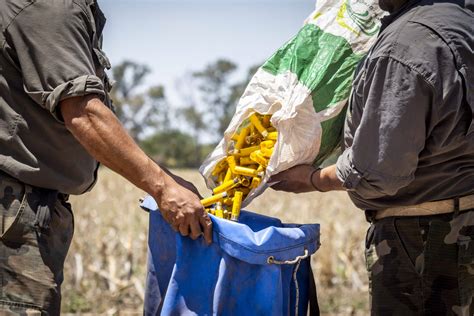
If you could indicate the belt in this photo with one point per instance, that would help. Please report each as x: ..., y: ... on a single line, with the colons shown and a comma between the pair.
x: 61, y: 196
x: 425, y: 209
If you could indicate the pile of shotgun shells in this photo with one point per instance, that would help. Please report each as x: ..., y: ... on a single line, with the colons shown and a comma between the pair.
x: 244, y: 167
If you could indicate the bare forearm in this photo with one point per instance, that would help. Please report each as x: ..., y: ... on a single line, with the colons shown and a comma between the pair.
x: 326, y: 180
x: 103, y: 136
x: 306, y: 178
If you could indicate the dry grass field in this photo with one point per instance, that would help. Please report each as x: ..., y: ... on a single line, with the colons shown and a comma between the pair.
x: 105, y: 268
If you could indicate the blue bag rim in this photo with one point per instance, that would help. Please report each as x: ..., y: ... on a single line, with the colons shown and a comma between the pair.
x: 224, y: 235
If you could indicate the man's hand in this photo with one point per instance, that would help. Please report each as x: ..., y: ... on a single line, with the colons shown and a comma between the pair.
x: 103, y: 136
x: 306, y: 178
x: 296, y: 179
x: 183, y: 210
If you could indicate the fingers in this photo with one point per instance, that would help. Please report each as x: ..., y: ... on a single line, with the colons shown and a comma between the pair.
x: 195, y: 230
x: 279, y: 186
x: 184, y: 229
x: 206, y: 225
x: 170, y: 220
x: 276, y: 178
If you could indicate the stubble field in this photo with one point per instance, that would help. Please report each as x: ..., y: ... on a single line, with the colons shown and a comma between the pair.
x: 106, y: 265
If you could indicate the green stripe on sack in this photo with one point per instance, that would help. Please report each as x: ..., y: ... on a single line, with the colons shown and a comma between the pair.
x: 332, y: 136
x: 323, y: 62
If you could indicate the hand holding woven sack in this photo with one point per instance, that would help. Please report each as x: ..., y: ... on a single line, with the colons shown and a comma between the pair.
x: 304, y: 86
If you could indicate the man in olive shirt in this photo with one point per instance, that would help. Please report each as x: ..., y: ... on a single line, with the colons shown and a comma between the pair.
x: 409, y: 159
x: 55, y: 124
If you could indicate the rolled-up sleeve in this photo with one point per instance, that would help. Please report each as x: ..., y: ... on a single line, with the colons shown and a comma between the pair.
x: 396, y: 104
x: 53, y: 44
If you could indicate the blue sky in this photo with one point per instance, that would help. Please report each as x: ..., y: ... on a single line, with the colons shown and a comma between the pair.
x: 178, y: 36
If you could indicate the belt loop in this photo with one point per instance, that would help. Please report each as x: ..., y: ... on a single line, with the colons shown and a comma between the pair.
x: 45, y: 208
x: 370, y: 215
x: 456, y: 206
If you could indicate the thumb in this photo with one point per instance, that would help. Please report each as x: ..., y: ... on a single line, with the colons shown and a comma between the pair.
x: 276, y: 178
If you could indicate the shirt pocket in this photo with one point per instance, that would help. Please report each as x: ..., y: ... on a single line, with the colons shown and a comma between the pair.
x: 13, y: 203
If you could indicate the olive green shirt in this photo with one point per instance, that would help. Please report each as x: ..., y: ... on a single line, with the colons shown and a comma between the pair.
x: 50, y: 50
x: 409, y: 135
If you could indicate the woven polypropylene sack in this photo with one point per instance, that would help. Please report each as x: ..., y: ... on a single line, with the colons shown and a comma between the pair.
x: 305, y: 86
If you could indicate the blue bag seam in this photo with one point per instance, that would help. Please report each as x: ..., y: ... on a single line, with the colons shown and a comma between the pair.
x: 267, y: 251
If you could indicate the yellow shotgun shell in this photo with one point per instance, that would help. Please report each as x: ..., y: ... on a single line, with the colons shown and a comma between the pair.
x: 236, y: 206
x: 221, y: 177
x: 267, y: 144
x: 228, y: 175
x: 232, y: 163
x: 258, y: 157
x: 258, y: 125
x: 245, y: 171
x: 244, y: 190
x: 244, y: 181
x: 245, y: 161
x: 267, y: 152
x: 261, y: 171
x: 241, y: 139
x: 254, y: 166
x: 220, y: 213
x: 254, y: 139
x: 225, y: 186
x: 213, y: 199
x: 247, y: 151
x: 235, y: 137
x: 255, y: 182
x: 219, y: 167
x: 272, y: 136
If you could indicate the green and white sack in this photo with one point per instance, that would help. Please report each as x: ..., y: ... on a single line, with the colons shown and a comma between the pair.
x: 305, y: 85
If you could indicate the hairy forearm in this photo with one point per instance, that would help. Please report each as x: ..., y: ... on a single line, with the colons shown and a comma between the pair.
x: 306, y: 178
x: 103, y: 136
x: 326, y: 180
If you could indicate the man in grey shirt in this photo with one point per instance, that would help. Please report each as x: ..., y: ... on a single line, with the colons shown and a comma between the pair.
x: 408, y: 159
x: 56, y: 123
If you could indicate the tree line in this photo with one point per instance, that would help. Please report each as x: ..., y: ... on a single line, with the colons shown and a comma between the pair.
x: 178, y: 135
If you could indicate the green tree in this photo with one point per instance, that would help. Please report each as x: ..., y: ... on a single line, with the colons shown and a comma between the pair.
x: 172, y: 148
x: 219, y: 94
x: 147, y: 115
x: 196, y: 126
x: 215, y: 90
x: 138, y: 110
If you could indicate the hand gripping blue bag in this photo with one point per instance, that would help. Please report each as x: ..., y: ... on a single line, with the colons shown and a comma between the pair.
x: 258, y: 266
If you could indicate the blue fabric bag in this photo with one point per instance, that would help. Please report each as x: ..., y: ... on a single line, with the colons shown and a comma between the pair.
x: 258, y: 266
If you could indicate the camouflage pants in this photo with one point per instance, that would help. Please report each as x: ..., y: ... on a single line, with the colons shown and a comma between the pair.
x: 422, y: 265
x: 36, y: 229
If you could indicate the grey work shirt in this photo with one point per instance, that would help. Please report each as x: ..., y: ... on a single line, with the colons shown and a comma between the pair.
x: 50, y: 50
x: 409, y: 135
